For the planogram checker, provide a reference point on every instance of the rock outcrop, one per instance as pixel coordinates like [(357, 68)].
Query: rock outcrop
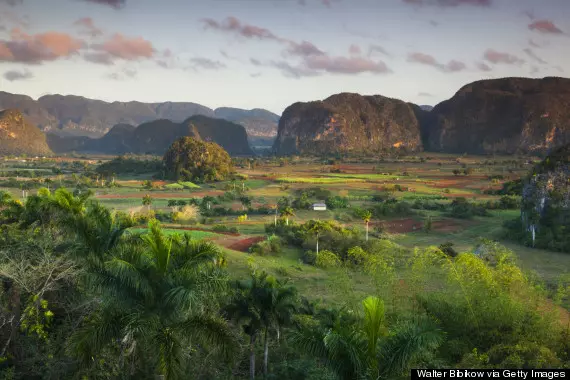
[(348, 123), (18, 136), (546, 201), (505, 116), (155, 137)]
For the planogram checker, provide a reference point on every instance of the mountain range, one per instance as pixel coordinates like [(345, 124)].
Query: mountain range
[(502, 116), (69, 115)]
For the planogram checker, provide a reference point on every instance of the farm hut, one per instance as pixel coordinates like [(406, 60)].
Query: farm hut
[(319, 207)]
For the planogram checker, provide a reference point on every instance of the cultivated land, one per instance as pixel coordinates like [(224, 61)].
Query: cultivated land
[(422, 177)]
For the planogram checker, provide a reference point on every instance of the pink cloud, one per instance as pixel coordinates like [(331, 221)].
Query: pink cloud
[(354, 49), (34, 49), (544, 26), (89, 26), (426, 59), (130, 49), (303, 49), (494, 56), (483, 66), (233, 25), (343, 65)]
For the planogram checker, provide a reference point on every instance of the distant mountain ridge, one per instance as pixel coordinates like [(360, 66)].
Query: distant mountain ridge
[(70, 115), (156, 136)]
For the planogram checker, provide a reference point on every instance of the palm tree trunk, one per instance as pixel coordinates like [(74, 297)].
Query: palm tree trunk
[(287, 221), (317, 244), (252, 357), (366, 231), (265, 354)]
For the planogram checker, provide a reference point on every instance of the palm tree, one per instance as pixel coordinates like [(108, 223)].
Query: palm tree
[(147, 201), (263, 304), (318, 227), (366, 216), (157, 296), (286, 213), (367, 349)]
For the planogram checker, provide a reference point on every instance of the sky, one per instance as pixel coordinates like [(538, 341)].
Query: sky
[(272, 53)]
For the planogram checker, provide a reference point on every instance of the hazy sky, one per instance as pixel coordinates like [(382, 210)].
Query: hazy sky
[(272, 53)]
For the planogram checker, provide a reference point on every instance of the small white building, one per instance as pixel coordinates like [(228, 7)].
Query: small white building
[(319, 207)]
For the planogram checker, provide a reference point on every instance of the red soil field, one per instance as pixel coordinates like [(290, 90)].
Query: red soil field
[(402, 226), (243, 245)]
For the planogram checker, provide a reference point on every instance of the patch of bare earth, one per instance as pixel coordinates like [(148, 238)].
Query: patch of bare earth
[(243, 245), (402, 226)]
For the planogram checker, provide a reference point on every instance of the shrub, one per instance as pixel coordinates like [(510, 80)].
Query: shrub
[(327, 259), (337, 202), (357, 256), (267, 247), (186, 214), (224, 228)]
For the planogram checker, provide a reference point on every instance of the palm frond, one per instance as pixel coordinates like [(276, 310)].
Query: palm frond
[(409, 342), (211, 331)]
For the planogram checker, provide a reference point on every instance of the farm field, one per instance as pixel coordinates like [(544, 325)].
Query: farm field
[(435, 178)]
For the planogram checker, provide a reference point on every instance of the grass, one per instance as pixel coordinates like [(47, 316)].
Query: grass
[(172, 231), (318, 180)]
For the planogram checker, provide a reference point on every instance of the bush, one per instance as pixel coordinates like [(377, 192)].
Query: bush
[(357, 256), (463, 209), (186, 214), (337, 202), (267, 247), (224, 228), (327, 259)]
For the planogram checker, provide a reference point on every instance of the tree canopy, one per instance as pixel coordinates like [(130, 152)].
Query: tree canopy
[(190, 159)]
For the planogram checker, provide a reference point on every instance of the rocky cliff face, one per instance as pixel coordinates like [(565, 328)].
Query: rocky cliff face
[(78, 116), (348, 123), (155, 137), (18, 137), (507, 116), (546, 201)]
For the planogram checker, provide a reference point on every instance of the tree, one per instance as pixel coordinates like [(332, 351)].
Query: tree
[(245, 202), (193, 160), (366, 216), (158, 296), (428, 224), (286, 213), (318, 227), (366, 348), (147, 201), (262, 304), (456, 172)]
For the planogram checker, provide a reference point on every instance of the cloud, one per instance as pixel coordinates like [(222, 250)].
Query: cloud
[(428, 60), (14, 75), (494, 56), (233, 25), (255, 62), (535, 57), (99, 58), (303, 49), (111, 3), (12, 3), (206, 63), (483, 66), (88, 26), (377, 49), (255, 75), (126, 48), (293, 71), (533, 43), (544, 26), (450, 3), (425, 94), (35, 49), (123, 74), (355, 50), (343, 65)]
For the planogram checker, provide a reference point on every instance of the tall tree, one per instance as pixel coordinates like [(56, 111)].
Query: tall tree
[(366, 217), (286, 213), (156, 299)]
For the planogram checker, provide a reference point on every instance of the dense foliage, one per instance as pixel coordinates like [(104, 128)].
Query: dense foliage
[(193, 160), (83, 296)]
